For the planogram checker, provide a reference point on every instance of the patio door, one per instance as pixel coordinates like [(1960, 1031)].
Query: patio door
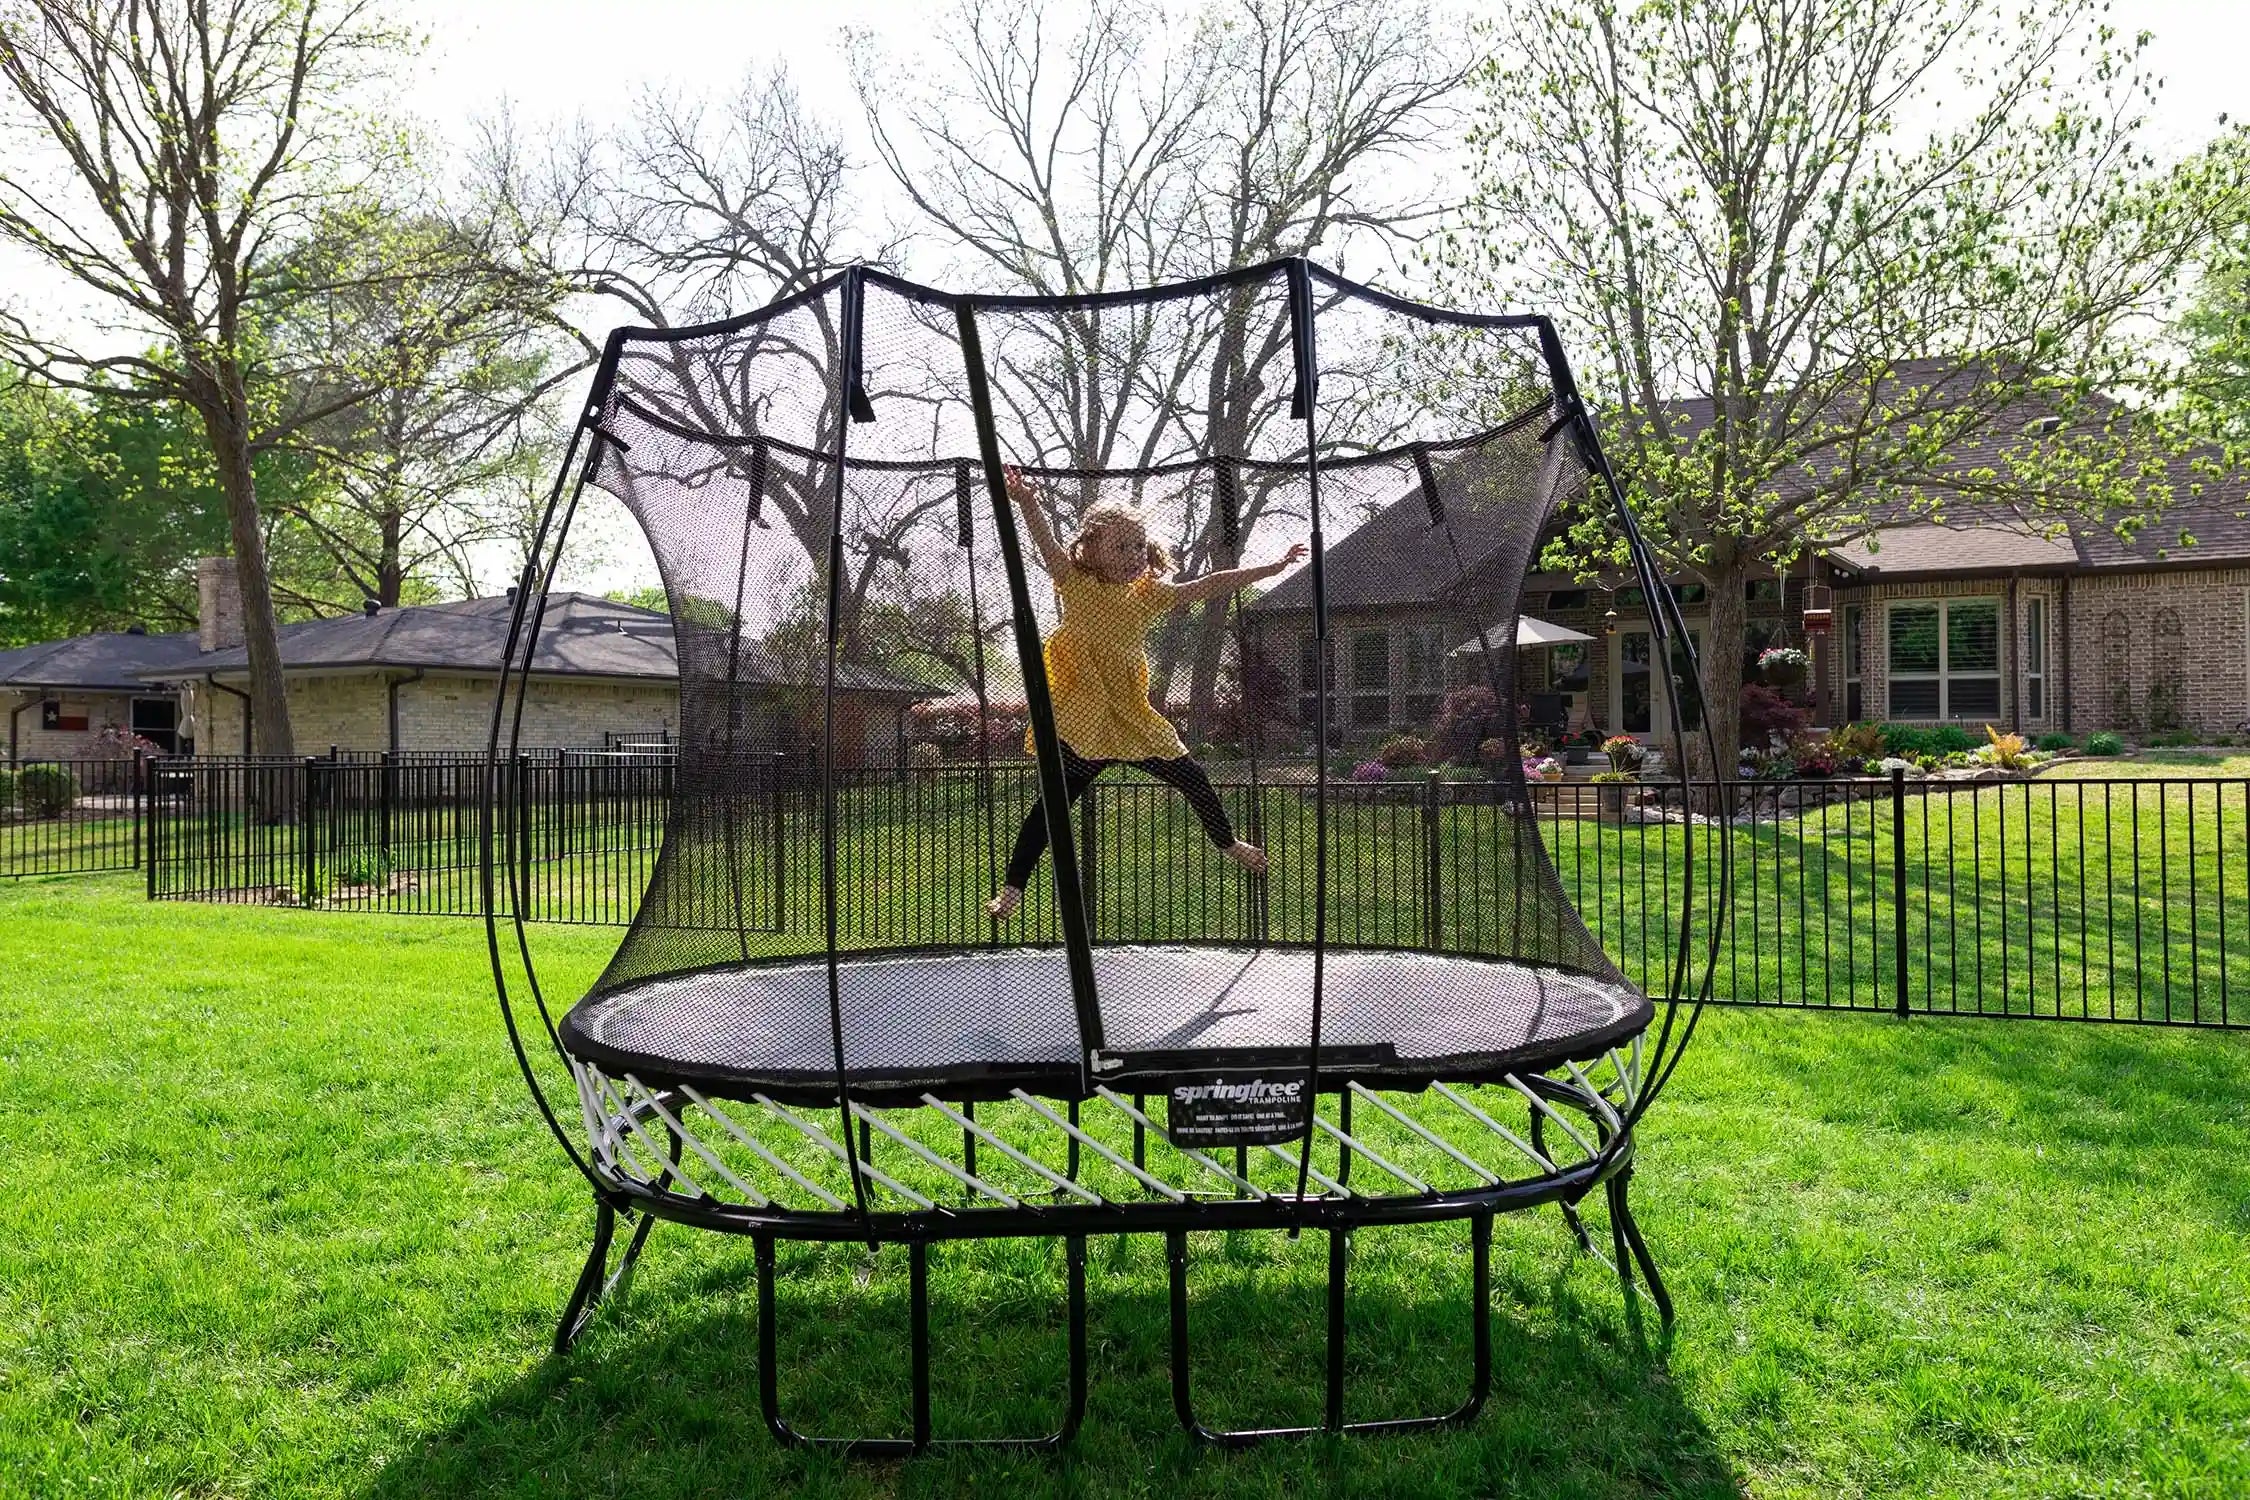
[(1637, 701)]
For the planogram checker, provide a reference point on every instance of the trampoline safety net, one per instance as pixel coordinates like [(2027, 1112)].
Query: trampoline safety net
[(864, 624)]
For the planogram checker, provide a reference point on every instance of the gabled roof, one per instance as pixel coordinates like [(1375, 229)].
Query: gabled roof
[(107, 661)]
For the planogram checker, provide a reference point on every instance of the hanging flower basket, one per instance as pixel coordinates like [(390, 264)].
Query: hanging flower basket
[(1783, 666)]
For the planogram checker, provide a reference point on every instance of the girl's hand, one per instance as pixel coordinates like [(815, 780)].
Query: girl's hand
[(1020, 489), (1297, 553)]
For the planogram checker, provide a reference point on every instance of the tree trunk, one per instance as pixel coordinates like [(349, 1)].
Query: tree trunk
[(1721, 660), (390, 572), (224, 407)]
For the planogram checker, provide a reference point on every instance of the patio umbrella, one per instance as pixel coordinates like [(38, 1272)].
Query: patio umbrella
[(1530, 632)]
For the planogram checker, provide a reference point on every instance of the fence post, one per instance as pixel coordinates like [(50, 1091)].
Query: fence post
[(1898, 884), (1089, 861), (386, 793), (146, 840), (523, 834), (308, 875), (1432, 865), (140, 802), (775, 811)]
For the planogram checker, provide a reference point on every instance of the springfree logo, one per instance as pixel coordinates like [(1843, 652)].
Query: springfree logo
[(1255, 1091)]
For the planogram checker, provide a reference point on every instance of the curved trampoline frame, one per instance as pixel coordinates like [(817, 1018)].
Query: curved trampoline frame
[(644, 1160)]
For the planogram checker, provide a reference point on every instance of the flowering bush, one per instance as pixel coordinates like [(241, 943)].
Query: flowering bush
[(1492, 754), (1371, 770), (1891, 764), (954, 726), (1403, 750), (1623, 750), (1545, 768), (1813, 755)]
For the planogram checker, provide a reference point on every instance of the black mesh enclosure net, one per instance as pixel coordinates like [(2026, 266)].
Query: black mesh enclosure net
[(901, 689)]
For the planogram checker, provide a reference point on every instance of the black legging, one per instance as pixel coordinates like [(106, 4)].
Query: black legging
[(1179, 772)]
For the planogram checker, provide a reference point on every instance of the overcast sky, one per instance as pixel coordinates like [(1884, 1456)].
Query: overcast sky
[(552, 60)]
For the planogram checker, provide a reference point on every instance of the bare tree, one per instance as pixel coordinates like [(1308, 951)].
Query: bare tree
[(455, 351), (1835, 260), (1115, 155), (192, 143), (698, 210)]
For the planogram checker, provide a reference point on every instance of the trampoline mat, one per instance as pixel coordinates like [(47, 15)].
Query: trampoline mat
[(1002, 1018)]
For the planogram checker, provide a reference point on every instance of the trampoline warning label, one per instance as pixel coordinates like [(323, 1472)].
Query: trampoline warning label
[(1237, 1111)]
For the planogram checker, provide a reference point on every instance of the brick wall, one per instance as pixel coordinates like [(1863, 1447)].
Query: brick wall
[(441, 712), (100, 711), (2177, 636)]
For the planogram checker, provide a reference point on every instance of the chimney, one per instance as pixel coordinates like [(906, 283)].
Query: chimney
[(370, 607), (218, 601)]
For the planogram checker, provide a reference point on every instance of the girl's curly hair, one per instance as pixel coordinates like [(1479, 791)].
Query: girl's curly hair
[(1114, 513)]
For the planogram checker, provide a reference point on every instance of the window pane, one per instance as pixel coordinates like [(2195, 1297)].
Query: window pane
[(1914, 640), (1308, 661), (1421, 708), (1855, 621), (2035, 693), (1371, 661), (1914, 699), (1855, 706), (1972, 638), (2035, 636), (1425, 660), (1973, 697), (1371, 711)]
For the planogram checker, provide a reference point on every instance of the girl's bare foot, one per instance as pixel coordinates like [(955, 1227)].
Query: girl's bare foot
[(1000, 906), (1249, 856)]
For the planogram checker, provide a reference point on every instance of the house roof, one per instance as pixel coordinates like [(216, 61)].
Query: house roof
[(1924, 548), (106, 661), (581, 635)]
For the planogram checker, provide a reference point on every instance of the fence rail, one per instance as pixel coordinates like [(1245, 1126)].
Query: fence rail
[(72, 817), (2112, 900)]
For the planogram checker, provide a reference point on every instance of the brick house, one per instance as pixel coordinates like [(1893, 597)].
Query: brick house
[(421, 677), (1987, 619), (61, 695)]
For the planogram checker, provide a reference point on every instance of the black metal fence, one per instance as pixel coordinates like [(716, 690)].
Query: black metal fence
[(72, 817), (2104, 899)]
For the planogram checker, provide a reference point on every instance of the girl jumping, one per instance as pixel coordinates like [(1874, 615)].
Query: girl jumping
[(1111, 585)]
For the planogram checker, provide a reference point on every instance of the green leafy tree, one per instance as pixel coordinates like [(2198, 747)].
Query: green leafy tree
[(106, 502), (1882, 245), (184, 147)]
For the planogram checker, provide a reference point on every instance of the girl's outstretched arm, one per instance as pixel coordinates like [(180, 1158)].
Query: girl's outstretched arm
[(1212, 585), (1052, 554)]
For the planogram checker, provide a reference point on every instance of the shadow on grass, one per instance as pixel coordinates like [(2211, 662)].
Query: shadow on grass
[(661, 1397)]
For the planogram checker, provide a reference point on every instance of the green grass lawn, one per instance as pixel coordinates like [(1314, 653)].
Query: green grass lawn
[(281, 1221)]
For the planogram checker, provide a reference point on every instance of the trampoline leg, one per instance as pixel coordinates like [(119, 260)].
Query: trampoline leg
[(1569, 1209), (918, 1297), (1625, 1231), (596, 1282), (1480, 1344)]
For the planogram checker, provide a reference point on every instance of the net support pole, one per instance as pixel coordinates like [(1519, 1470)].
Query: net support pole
[(1304, 407), (1039, 707), (847, 412)]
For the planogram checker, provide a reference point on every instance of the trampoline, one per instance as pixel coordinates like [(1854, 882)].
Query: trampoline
[(814, 1032)]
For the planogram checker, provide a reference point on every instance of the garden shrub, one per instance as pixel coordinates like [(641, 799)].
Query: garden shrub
[(2053, 742), (2173, 739), (369, 868), (1468, 717), (925, 756), (1909, 741), (1493, 754), (1815, 756), (7, 788), (46, 791), (2007, 751), (1403, 751), (1857, 742), (2105, 742), (1767, 715), (1371, 770)]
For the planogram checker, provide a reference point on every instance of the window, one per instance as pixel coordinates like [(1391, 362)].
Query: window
[(1567, 668), (2035, 657), (1761, 591), (1308, 680), (1690, 593), (1371, 678), (158, 719), (1425, 672), (1855, 658), (1945, 660), (1567, 599)]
